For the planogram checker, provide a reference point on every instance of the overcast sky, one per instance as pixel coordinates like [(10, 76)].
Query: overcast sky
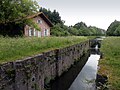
[(98, 13)]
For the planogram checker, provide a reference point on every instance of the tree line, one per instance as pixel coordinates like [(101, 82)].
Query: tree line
[(79, 29), (14, 12)]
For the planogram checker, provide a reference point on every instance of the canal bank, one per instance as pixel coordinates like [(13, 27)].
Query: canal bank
[(33, 73), (82, 75), (67, 78), (110, 62), (86, 79)]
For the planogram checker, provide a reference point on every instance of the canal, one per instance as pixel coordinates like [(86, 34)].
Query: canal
[(81, 76)]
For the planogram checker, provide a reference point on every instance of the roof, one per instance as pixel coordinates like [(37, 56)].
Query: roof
[(32, 16), (42, 15)]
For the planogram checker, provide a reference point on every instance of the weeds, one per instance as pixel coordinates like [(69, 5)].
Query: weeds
[(110, 64), (18, 48)]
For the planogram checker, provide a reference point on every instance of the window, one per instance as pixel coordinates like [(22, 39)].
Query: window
[(39, 33), (39, 21), (32, 32), (45, 32)]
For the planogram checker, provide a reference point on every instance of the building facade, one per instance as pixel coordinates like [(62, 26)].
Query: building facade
[(43, 23)]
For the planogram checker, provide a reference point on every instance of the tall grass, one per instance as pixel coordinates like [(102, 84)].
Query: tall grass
[(18, 48), (110, 65)]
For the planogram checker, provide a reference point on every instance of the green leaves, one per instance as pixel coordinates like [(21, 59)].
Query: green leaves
[(13, 10), (59, 30), (114, 29), (79, 29), (31, 23), (53, 16), (88, 31), (13, 16)]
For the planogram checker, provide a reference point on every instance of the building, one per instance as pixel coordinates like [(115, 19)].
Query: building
[(43, 23)]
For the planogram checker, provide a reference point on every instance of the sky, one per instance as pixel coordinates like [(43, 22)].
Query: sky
[(99, 13)]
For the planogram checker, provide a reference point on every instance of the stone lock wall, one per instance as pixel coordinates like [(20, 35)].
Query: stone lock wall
[(34, 72)]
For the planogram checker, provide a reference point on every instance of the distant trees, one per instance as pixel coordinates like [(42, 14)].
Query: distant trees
[(79, 29), (114, 29), (83, 30), (53, 16), (14, 12), (94, 31), (59, 30)]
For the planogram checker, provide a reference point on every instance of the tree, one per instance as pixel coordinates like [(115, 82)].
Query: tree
[(13, 15), (117, 31), (53, 16), (80, 25), (73, 31), (113, 29), (59, 30), (83, 30), (93, 30), (16, 10)]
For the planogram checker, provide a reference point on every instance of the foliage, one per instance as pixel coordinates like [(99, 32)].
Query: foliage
[(21, 47), (117, 31), (53, 16), (114, 29), (80, 25), (59, 30), (15, 10), (83, 30), (13, 14), (110, 63), (79, 29), (94, 31), (31, 23), (73, 31)]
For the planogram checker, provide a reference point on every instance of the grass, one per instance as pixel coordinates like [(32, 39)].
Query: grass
[(12, 49), (110, 64)]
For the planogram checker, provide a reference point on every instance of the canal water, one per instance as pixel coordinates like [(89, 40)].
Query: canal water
[(86, 78), (81, 76)]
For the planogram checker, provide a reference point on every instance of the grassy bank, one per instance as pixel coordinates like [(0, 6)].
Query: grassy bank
[(110, 64), (17, 48)]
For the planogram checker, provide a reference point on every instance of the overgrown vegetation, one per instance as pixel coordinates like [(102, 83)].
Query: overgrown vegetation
[(21, 47), (110, 64)]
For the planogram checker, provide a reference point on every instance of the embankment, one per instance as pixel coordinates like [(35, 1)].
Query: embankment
[(33, 73)]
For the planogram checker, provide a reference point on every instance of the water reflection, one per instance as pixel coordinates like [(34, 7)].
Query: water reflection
[(64, 82), (86, 78), (79, 77)]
